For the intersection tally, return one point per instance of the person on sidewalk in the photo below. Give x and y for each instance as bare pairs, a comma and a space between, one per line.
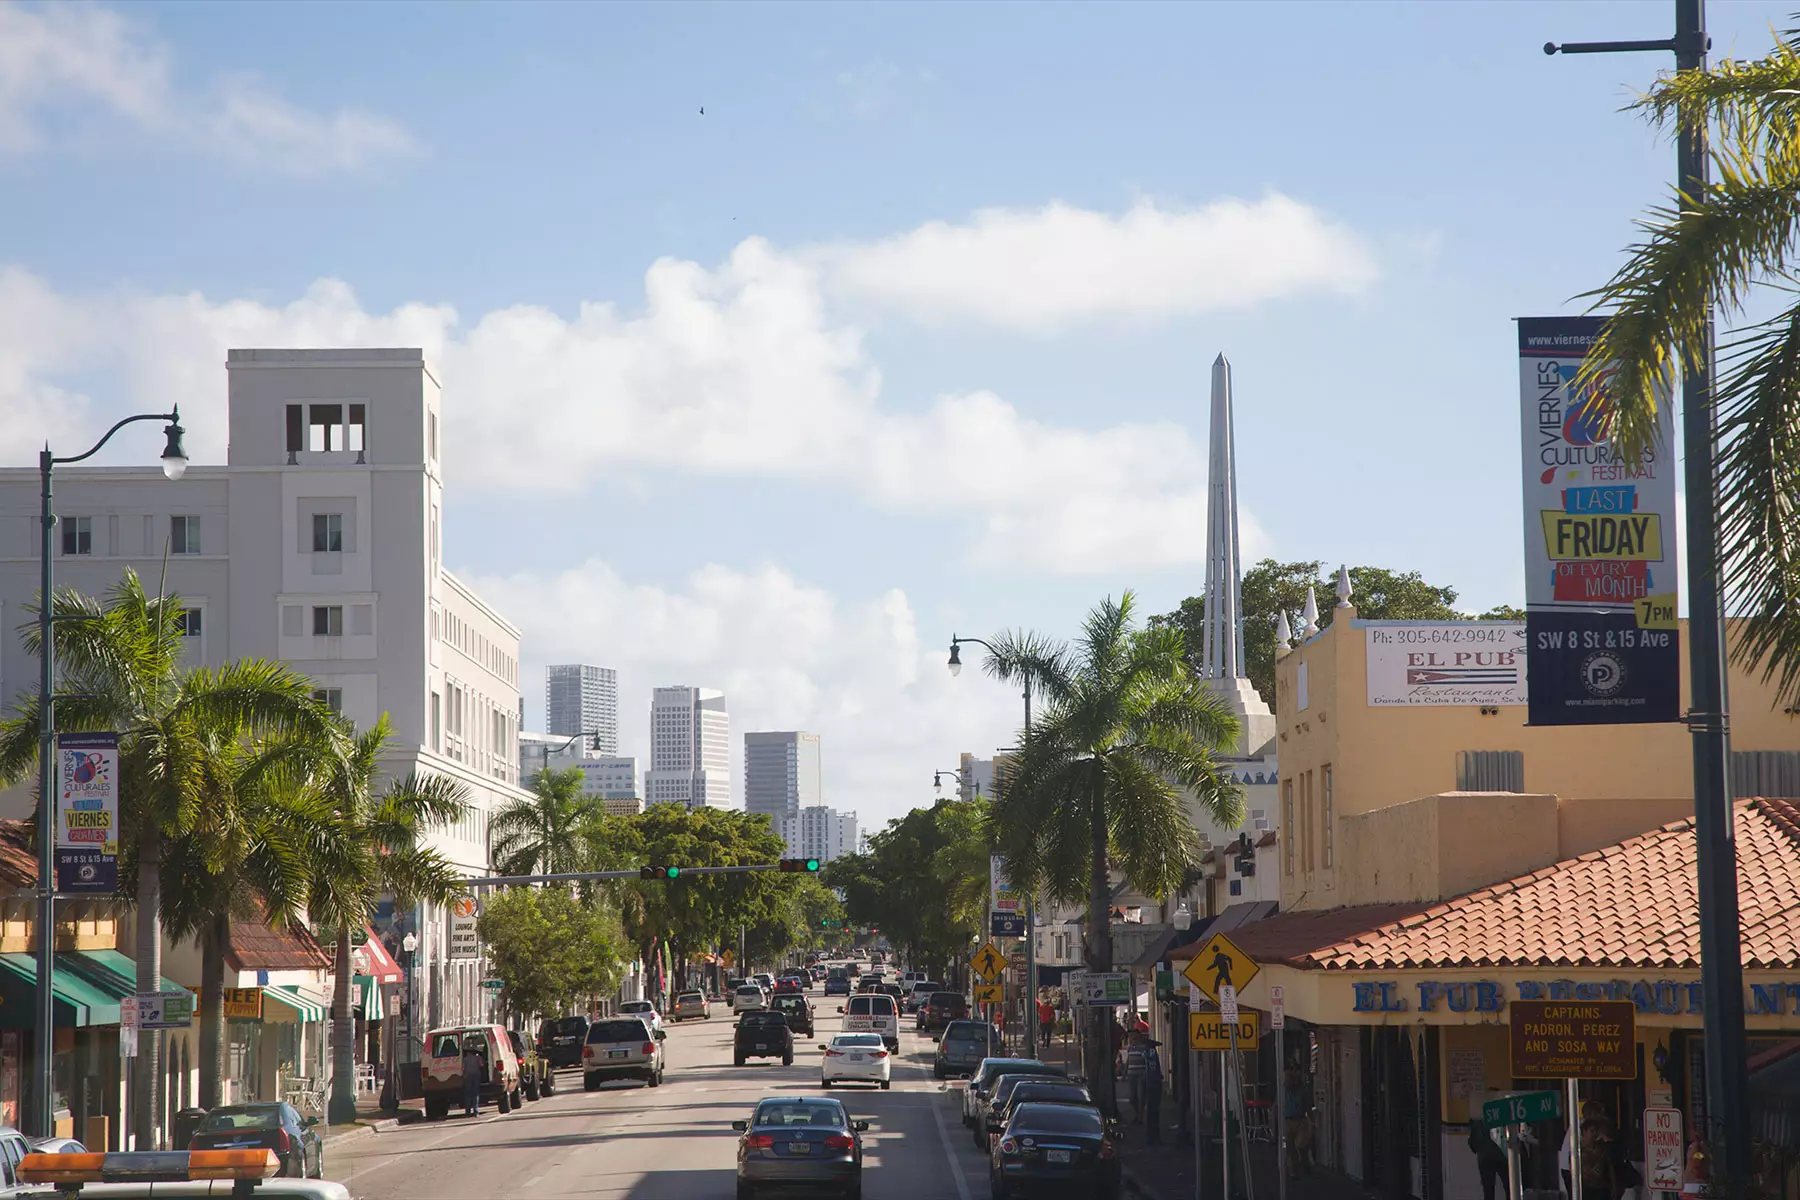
1153, 1087
1296, 1115
473, 1066
1046, 1015
1136, 1052
1490, 1160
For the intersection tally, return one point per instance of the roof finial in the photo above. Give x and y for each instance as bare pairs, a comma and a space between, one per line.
1343, 587
1310, 614
1284, 633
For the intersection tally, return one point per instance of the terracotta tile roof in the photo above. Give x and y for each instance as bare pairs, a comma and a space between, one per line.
18, 863
1631, 905
257, 947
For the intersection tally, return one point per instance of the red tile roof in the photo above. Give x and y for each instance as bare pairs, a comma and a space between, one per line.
18, 864
1632, 905
258, 947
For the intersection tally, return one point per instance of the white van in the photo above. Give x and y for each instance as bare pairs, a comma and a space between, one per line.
874, 1014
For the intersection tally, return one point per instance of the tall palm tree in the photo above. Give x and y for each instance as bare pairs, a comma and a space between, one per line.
121, 669
542, 833
368, 847
1731, 246
1127, 728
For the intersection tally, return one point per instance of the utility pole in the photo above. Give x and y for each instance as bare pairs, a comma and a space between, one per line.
1721, 962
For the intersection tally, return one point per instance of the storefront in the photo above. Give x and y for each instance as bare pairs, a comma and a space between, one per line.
1400, 1015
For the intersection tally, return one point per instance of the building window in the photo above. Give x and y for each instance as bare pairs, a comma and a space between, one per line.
1287, 822
328, 533
355, 433
328, 620
1325, 816
77, 535
434, 450
332, 698
325, 428
184, 535
189, 622
1237, 887
437, 722
296, 432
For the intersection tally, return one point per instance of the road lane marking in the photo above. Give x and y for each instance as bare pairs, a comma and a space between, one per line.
956, 1172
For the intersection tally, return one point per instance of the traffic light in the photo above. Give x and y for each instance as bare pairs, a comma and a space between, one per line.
659, 872
799, 864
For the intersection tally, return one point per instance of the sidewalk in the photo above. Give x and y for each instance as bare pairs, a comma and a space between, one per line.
370, 1118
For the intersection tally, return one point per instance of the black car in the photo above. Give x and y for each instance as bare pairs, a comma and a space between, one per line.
560, 1039
941, 1009
1010, 1091
794, 1007
273, 1125
981, 1086
763, 1033
1054, 1147
802, 1141
963, 1046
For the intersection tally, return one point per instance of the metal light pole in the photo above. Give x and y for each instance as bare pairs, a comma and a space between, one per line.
174, 460
1721, 962
1031, 975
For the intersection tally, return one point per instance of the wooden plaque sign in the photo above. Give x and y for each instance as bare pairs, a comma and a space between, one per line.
1573, 1039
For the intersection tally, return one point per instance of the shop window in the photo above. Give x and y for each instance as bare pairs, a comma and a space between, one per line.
1287, 824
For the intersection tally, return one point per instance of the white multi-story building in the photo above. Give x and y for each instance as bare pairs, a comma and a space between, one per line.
690, 748
818, 832
614, 781
318, 544
783, 774
540, 750
582, 699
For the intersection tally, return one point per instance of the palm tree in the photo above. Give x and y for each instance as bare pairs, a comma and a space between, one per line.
369, 846
245, 860
1729, 246
542, 834
121, 669
1100, 777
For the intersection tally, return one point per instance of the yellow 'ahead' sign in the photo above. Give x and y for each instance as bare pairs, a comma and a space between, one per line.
1207, 1031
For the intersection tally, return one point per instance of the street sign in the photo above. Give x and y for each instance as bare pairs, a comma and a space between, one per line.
128, 1028
1105, 989
1010, 925
1522, 1108
1664, 1154
493, 985
465, 943
243, 1004
1277, 1006
990, 993
1228, 1002
988, 962
1219, 963
165, 1010
1574, 1039
1207, 1031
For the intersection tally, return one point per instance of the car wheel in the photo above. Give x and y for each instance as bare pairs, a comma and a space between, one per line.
824, 1083
589, 1082
885, 1084
503, 1102
787, 1060
654, 1079
745, 1191
436, 1110
997, 1187
531, 1088
518, 1096
738, 1060
547, 1087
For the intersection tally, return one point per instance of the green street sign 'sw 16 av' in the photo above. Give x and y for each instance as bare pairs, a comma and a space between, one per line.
1521, 1109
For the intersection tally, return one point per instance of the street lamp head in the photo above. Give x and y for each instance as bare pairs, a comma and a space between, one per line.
955, 659
410, 942
174, 455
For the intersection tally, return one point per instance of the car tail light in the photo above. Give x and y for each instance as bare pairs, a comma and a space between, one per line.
1106, 1148
1008, 1146
839, 1141
834, 1053
760, 1141
587, 1052
878, 1054
282, 1141
649, 1047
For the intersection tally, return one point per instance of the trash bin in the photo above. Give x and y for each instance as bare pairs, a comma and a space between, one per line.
183, 1125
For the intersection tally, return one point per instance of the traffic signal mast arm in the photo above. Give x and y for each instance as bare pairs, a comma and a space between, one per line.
634, 873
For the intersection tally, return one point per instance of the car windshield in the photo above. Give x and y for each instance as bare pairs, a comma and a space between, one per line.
857, 1039
637, 1006
247, 1116
1057, 1118
618, 1031
750, 991
765, 1018
945, 999
812, 1113
446, 1045
790, 1002
564, 1026
1049, 1093
993, 1068
690, 997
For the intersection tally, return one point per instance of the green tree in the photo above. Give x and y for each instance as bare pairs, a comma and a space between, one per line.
1127, 727
542, 834
550, 949
1729, 247
120, 667
368, 846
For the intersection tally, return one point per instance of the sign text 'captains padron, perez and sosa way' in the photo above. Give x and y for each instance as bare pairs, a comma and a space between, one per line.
1574, 1039
1600, 589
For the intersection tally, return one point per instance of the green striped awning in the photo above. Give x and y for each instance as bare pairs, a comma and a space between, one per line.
306, 1004
79, 1002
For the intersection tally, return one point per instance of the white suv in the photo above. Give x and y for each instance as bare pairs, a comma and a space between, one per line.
644, 1009
748, 998
622, 1048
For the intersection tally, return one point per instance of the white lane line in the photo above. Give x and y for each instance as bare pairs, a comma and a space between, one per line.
956, 1172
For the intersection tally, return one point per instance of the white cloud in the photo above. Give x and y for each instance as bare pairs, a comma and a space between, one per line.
735, 372
1045, 268
787, 654
72, 57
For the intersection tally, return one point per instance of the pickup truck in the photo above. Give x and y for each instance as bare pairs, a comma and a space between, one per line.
763, 1034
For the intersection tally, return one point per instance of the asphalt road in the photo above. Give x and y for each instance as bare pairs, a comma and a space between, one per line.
630, 1142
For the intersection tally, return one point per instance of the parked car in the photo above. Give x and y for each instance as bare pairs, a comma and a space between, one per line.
962, 1047
535, 1076
991, 1119
873, 1014
749, 998
560, 1040
56, 1145
989, 1069
272, 1125
856, 1057
622, 1048
1057, 1146
689, 1005
763, 1034
644, 1009
795, 1008
1039, 1090
768, 1152
441, 1068
941, 1009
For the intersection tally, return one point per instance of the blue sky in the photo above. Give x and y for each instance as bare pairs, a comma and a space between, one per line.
909, 332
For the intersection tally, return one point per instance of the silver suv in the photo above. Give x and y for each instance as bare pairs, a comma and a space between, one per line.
622, 1048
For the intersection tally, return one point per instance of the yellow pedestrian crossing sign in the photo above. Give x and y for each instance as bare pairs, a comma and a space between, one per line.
1220, 962
988, 962
989, 993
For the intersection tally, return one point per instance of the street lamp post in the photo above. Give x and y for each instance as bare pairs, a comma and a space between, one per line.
1031, 977
174, 461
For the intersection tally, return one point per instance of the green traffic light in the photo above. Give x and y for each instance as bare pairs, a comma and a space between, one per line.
812, 864
674, 872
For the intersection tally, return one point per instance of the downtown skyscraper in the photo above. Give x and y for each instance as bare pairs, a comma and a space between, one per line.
578, 699
690, 748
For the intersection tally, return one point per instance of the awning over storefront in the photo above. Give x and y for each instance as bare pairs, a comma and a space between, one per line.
372, 959
111, 971
305, 1004
79, 1001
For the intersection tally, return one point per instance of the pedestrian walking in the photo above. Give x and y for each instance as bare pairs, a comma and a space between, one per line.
1136, 1054
1296, 1114
1490, 1160
1153, 1087
474, 1065
1046, 1015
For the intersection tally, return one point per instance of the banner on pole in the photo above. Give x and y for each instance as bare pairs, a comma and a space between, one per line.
1601, 596
465, 943
1005, 898
87, 812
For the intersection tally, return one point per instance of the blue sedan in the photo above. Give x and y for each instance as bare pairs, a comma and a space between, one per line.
804, 1141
